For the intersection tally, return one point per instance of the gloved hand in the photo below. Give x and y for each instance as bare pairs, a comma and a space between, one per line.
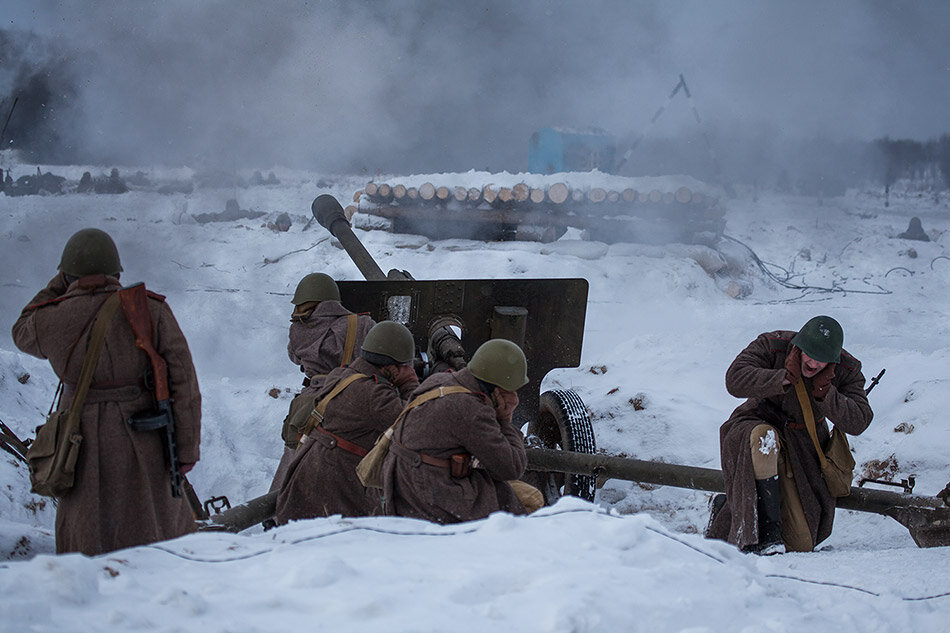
793, 365
505, 403
821, 382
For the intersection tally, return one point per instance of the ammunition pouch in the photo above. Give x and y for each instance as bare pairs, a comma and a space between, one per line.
460, 465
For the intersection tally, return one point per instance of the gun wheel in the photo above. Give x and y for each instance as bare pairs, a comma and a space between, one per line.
564, 423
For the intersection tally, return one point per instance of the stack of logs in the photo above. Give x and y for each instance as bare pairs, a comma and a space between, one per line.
544, 214
521, 195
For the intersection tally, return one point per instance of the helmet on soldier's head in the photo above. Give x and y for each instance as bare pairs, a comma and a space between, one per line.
389, 343
90, 252
500, 362
316, 287
821, 338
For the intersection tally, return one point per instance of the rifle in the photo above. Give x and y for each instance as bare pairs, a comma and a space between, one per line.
13, 444
134, 302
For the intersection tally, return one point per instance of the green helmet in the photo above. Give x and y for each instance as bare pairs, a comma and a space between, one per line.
316, 287
500, 362
821, 338
389, 343
90, 252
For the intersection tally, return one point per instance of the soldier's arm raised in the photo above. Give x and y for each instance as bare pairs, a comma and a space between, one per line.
498, 446
24, 330
847, 403
751, 374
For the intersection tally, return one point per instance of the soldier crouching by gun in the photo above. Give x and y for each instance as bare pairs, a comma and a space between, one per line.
120, 496
777, 496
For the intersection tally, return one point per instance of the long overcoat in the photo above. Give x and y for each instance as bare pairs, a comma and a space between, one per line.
757, 373
122, 492
321, 479
455, 423
317, 341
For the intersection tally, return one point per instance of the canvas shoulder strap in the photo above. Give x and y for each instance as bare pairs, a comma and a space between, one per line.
350, 344
91, 359
809, 419
316, 416
432, 394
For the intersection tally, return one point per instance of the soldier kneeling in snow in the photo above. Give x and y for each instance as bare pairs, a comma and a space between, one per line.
777, 498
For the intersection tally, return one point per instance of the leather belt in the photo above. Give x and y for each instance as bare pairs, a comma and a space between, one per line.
417, 458
109, 392
346, 445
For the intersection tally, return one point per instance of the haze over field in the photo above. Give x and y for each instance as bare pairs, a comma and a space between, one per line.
419, 86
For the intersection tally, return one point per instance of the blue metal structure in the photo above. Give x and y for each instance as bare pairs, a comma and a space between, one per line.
555, 150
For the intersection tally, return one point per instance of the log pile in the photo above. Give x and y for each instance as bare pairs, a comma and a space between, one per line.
499, 197
497, 210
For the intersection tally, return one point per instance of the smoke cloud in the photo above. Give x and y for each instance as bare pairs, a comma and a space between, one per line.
424, 85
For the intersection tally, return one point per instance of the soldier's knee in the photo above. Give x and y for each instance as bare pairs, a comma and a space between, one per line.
764, 445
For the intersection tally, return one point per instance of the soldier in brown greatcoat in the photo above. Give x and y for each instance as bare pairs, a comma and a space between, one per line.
321, 480
452, 457
122, 495
323, 336
776, 499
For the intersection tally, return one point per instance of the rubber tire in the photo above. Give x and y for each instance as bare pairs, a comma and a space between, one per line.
564, 423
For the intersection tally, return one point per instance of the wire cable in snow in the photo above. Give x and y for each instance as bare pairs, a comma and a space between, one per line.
476, 528
763, 266
898, 268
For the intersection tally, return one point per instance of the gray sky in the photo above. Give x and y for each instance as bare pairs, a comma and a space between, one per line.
412, 85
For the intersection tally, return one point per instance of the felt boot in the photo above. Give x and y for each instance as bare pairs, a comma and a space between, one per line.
770, 518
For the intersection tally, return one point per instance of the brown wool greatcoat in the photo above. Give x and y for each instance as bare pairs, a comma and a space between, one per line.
122, 493
757, 373
456, 423
317, 341
321, 479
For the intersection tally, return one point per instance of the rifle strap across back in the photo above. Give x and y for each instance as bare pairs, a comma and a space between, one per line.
91, 359
809, 419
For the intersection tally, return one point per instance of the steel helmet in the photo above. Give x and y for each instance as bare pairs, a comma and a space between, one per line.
500, 362
316, 287
90, 252
389, 343
821, 338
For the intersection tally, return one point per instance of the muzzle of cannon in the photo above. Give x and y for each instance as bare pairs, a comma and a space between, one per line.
330, 215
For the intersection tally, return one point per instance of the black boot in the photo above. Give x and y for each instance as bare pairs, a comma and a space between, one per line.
770, 517
715, 508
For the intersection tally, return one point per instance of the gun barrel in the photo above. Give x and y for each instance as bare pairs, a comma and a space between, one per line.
926, 518
241, 517
693, 477
329, 214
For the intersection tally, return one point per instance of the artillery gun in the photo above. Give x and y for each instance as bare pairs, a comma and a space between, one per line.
448, 317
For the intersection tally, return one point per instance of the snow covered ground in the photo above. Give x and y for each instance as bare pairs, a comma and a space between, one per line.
659, 335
